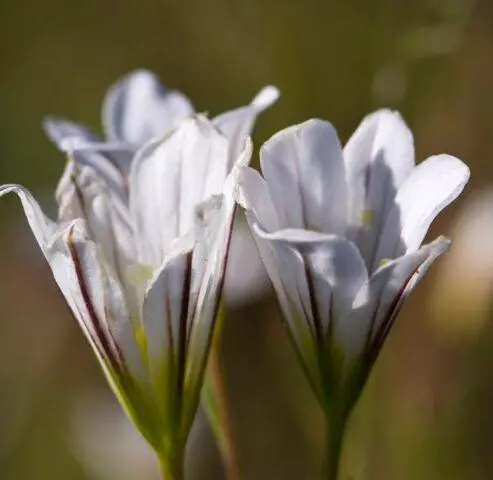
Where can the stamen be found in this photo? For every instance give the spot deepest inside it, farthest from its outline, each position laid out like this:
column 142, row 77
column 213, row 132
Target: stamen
column 367, row 218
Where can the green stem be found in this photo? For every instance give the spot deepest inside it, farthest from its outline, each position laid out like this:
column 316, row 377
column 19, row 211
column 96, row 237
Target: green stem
column 216, row 404
column 223, row 428
column 335, row 425
column 172, row 468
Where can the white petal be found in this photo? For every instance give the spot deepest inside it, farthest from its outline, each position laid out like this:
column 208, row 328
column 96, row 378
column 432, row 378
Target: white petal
column 169, row 178
column 287, row 272
column 110, row 159
column 94, row 298
column 237, row 124
column 104, row 302
column 379, row 157
column 304, row 170
column 231, row 186
column 165, row 310
column 214, row 220
column 111, row 162
column 212, row 231
column 60, row 130
column 433, row 185
column 253, row 195
column 139, row 107
column 42, row 227
column 81, row 194
column 334, row 268
column 379, row 301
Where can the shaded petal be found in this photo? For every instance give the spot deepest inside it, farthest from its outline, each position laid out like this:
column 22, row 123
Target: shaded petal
column 287, row 272
column 165, row 310
column 379, row 157
column 60, row 130
column 238, row 124
column 334, row 269
column 169, row 178
column 94, row 297
column 110, row 161
column 433, row 185
column 254, row 196
column 105, row 304
column 380, row 299
column 214, row 220
column 304, row 170
column 138, row 107
column 82, row 194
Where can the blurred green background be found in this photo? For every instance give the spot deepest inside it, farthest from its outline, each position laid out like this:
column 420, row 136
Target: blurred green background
column 427, row 411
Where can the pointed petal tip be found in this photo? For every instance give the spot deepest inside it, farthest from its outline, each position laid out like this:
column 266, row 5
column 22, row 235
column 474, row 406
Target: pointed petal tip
column 7, row 188
column 49, row 121
column 266, row 97
column 438, row 246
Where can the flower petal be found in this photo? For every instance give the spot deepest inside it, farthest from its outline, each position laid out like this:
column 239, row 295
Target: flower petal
column 238, row 124
column 253, row 195
column 165, row 309
column 95, row 299
column 335, row 272
column 169, row 178
column 380, row 299
column 287, row 272
column 60, row 130
column 81, row 194
column 304, row 170
column 433, row 185
column 214, row 220
column 105, row 304
column 379, row 157
column 111, row 161
column 139, row 107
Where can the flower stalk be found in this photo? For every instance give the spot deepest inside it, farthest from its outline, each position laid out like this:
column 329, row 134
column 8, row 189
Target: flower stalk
column 335, row 427
column 172, row 467
column 217, row 407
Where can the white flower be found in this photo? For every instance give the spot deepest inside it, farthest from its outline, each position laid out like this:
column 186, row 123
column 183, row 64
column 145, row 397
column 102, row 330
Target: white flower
column 135, row 110
column 144, row 277
column 339, row 232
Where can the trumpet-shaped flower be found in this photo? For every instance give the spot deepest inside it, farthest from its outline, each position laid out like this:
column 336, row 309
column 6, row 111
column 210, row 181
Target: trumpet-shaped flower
column 340, row 233
column 143, row 275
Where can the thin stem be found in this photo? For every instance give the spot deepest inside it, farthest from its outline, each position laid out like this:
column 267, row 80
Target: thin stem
column 223, row 427
column 335, row 425
column 172, row 468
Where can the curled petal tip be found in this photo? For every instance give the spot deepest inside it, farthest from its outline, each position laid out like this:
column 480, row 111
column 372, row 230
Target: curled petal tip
column 266, row 97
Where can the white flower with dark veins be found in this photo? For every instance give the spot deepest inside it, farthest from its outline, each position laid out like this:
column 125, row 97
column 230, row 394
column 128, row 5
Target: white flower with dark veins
column 340, row 233
column 137, row 109
column 143, row 278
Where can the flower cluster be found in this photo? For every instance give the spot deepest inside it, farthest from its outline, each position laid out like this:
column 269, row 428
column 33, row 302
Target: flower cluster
column 140, row 246
column 145, row 218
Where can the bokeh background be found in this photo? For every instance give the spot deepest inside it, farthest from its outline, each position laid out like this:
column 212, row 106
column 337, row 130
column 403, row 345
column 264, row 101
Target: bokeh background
column 427, row 411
